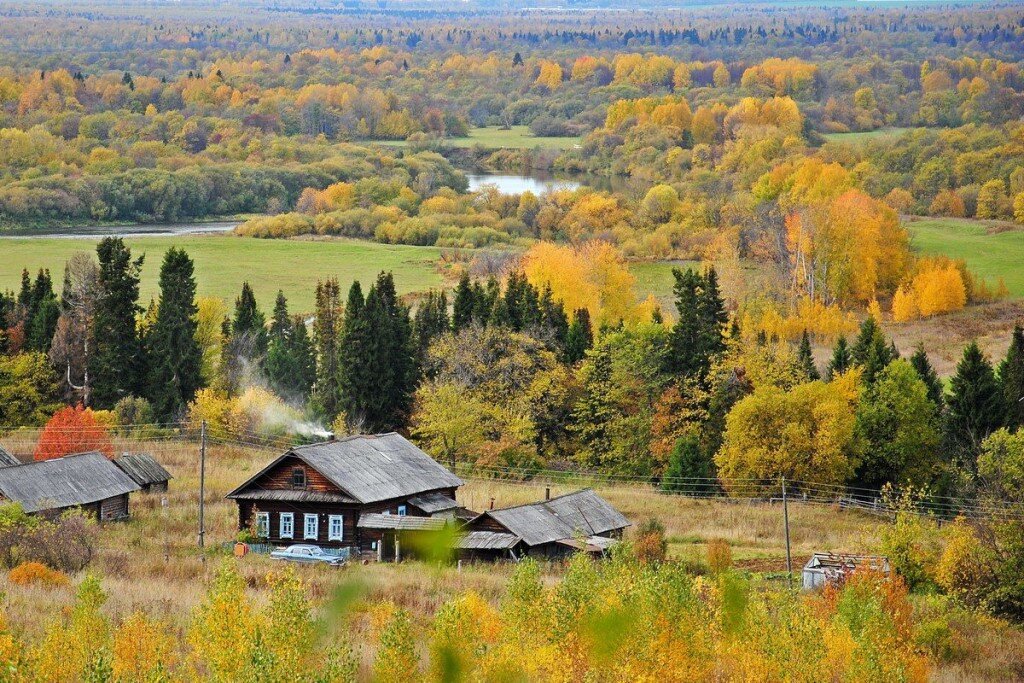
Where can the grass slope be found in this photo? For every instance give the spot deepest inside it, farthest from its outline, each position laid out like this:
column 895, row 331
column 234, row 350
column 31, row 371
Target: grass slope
column 223, row 262
column 496, row 137
column 989, row 251
column 861, row 137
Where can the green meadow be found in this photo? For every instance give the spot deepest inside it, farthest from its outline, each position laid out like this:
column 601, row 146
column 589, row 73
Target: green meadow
column 496, row 137
column 989, row 250
column 223, row 262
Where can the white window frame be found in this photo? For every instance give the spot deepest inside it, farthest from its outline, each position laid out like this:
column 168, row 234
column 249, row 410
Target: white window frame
column 402, row 510
column 306, row 519
column 290, row 518
column 331, row 521
column 262, row 524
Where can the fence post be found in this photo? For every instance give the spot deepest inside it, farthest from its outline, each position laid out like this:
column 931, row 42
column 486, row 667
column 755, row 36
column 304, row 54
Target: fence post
column 202, row 483
column 785, row 517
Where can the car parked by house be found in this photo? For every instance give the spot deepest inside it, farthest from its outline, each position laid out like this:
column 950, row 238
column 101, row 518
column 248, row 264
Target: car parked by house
column 307, row 554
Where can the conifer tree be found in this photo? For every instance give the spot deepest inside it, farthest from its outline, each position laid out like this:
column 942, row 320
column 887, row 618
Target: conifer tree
column 553, row 322
column 117, row 365
column 697, row 336
column 1011, row 378
column 594, row 413
column 870, row 351
column 326, row 338
column 290, row 362
column 806, row 359
column 430, row 322
column 975, row 405
column 248, row 327
column 841, row 360
column 579, row 338
column 42, row 313
column 464, row 304
column 174, row 355
column 927, row 373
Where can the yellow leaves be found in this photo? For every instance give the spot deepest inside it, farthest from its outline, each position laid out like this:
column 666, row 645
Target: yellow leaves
column 791, row 76
column 806, row 434
column 670, row 110
column 256, row 412
column 823, row 321
column 937, row 287
column 550, row 75
column 592, row 276
column 143, row 649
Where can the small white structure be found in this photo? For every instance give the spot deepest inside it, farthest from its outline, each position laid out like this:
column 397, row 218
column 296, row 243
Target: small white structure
column 827, row 568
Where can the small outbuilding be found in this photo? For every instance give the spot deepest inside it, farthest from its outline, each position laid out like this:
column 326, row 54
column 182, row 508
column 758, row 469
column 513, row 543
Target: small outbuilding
column 87, row 481
column 831, row 568
column 548, row 529
column 145, row 471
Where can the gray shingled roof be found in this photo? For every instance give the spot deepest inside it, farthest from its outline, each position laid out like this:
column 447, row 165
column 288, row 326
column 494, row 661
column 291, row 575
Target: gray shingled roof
column 488, row 540
column 377, row 520
column 142, row 468
column 296, row 496
column 7, row 460
column 434, row 502
column 369, row 468
column 64, row 482
column 580, row 513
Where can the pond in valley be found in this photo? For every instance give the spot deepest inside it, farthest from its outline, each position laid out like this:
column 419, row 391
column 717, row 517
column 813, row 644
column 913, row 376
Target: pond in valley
column 537, row 183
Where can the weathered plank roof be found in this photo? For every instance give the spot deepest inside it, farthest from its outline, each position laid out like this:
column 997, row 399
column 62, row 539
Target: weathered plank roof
column 369, row 468
column 573, row 514
column 7, row 460
column 847, row 562
column 64, row 482
column 296, row 496
column 377, row 520
column 488, row 540
column 142, row 468
column 434, row 502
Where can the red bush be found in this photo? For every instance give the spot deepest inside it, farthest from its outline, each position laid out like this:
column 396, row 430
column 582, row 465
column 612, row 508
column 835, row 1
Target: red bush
column 73, row 430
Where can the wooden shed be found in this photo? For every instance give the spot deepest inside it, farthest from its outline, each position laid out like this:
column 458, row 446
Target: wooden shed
column 87, row 481
column 145, row 471
column 829, row 568
column 551, row 529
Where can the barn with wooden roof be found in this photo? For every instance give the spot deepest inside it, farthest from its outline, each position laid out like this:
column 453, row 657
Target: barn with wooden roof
column 351, row 493
column 552, row 528
column 87, row 481
column 145, row 471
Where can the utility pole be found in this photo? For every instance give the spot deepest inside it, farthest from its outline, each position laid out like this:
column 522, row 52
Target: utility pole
column 202, row 482
column 785, row 517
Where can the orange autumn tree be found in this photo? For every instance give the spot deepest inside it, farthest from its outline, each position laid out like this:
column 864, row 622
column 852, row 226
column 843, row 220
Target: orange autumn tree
column 73, row 430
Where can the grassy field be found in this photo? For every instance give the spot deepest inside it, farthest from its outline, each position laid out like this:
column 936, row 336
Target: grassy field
column 223, row 262
column 989, row 248
column 866, row 136
column 496, row 137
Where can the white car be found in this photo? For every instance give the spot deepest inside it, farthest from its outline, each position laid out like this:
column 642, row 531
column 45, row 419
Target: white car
column 307, row 554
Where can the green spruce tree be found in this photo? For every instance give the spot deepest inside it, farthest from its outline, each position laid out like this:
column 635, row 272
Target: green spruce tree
column 1011, row 378
column 174, row 355
column 841, row 360
column 117, row 364
column 806, row 359
column 927, row 373
column 464, row 304
column 579, row 338
column 327, row 325
column 975, row 406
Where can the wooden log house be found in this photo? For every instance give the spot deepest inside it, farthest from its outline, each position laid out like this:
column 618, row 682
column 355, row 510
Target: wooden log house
column 345, row 494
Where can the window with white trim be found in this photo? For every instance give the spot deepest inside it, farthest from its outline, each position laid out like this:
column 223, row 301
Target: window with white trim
column 311, row 527
column 401, row 511
column 287, row 525
column 335, row 527
column 262, row 524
